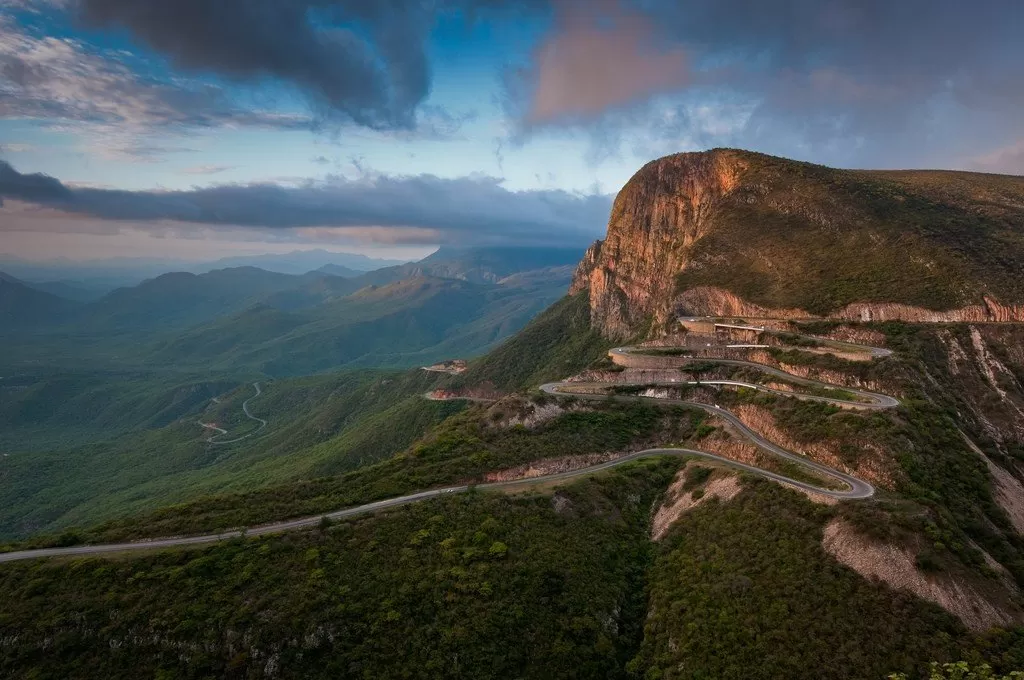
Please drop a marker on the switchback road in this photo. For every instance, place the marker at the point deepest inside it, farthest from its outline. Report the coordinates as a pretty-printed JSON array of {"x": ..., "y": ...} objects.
[
  {"x": 216, "y": 439},
  {"x": 856, "y": 488}
]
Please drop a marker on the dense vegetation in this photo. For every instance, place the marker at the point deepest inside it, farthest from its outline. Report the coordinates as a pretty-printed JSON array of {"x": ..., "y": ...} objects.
[
  {"x": 479, "y": 586},
  {"x": 439, "y": 589},
  {"x": 825, "y": 238},
  {"x": 461, "y": 449},
  {"x": 316, "y": 426},
  {"x": 745, "y": 590}
]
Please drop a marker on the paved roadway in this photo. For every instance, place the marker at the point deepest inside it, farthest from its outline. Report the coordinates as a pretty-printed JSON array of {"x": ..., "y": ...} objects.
[
  {"x": 857, "y": 488},
  {"x": 306, "y": 522},
  {"x": 245, "y": 409},
  {"x": 872, "y": 400}
]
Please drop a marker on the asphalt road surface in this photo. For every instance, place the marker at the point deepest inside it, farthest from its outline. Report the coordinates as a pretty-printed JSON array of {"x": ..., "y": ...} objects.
[{"x": 245, "y": 409}]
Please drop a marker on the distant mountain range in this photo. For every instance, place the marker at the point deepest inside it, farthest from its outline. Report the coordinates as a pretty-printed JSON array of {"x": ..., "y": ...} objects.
[
  {"x": 22, "y": 304},
  {"x": 456, "y": 302},
  {"x": 87, "y": 280}
]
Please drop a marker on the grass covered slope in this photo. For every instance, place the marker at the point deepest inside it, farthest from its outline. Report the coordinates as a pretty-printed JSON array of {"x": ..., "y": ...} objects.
[
  {"x": 806, "y": 236},
  {"x": 558, "y": 343},
  {"x": 316, "y": 426}
]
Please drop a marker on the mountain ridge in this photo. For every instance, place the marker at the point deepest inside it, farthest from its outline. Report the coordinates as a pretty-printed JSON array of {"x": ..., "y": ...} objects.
[{"x": 730, "y": 232}]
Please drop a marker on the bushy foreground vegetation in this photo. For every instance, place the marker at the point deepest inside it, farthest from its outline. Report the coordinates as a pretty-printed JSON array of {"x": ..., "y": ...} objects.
[
  {"x": 461, "y": 449},
  {"x": 559, "y": 584},
  {"x": 745, "y": 590},
  {"x": 478, "y": 586}
]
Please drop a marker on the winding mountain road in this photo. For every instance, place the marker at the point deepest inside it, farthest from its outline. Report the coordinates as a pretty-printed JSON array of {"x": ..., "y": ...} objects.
[
  {"x": 857, "y": 488},
  {"x": 245, "y": 409}
]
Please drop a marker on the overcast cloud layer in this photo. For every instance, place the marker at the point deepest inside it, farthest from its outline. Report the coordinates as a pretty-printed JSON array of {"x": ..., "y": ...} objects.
[{"x": 466, "y": 210}]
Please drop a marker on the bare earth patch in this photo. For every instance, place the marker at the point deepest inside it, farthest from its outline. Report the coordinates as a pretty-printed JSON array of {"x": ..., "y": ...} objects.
[
  {"x": 550, "y": 466},
  {"x": 819, "y": 498},
  {"x": 895, "y": 566},
  {"x": 677, "y": 502},
  {"x": 873, "y": 465},
  {"x": 1009, "y": 491}
]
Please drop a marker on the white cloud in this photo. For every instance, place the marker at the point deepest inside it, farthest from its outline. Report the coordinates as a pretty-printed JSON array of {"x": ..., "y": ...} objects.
[{"x": 207, "y": 169}]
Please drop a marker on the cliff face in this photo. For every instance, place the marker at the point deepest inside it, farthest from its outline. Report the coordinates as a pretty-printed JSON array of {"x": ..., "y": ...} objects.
[
  {"x": 657, "y": 216},
  {"x": 729, "y": 232}
]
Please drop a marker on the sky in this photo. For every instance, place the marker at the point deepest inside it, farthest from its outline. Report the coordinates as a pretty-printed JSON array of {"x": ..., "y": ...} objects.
[{"x": 202, "y": 128}]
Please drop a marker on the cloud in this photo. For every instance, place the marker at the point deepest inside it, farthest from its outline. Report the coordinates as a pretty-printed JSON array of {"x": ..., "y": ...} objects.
[
  {"x": 62, "y": 79},
  {"x": 592, "y": 62},
  {"x": 363, "y": 59},
  {"x": 207, "y": 169},
  {"x": 1008, "y": 159},
  {"x": 34, "y": 188},
  {"x": 841, "y": 81},
  {"x": 461, "y": 210}
]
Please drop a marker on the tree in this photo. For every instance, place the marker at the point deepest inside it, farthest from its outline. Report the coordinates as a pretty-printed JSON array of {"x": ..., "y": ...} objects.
[{"x": 962, "y": 671}]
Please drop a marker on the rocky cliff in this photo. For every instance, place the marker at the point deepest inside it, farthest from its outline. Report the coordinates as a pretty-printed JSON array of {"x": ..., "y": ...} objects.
[{"x": 729, "y": 232}]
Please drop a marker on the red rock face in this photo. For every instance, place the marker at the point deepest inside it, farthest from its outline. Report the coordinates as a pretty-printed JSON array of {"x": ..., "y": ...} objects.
[
  {"x": 660, "y": 212},
  {"x": 705, "y": 301}
]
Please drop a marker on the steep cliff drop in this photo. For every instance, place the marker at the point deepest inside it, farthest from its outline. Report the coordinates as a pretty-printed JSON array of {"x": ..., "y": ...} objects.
[
  {"x": 728, "y": 232},
  {"x": 666, "y": 207}
]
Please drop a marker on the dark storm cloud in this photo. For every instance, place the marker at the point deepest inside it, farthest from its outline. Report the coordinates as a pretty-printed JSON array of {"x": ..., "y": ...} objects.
[
  {"x": 881, "y": 78},
  {"x": 34, "y": 188},
  {"x": 365, "y": 60},
  {"x": 469, "y": 209}
]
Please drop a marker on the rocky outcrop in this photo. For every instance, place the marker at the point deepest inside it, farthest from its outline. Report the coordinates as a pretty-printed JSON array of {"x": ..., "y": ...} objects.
[
  {"x": 706, "y": 301},
  {"x": 661, "y": 211},
  {"x": 678, "y": 502},
  {"x": 675, "y": 202},
  {"x": 549, "y": 466},
  {"x": 872, "y": 463}
]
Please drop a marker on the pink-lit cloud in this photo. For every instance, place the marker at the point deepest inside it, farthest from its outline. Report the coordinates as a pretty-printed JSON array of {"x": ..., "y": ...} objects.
[
  {"x": 1008, "y": 159},
  {"x": 599, "y": 57}
]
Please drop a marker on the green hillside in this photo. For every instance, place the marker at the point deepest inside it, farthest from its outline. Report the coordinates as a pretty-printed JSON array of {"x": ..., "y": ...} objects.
[
  {"x": 438, "y": 589},
  {"x": 252, "y": 321},
  {"x": 110, "y": 451},
  {"x": 180, "y": 298},
  {"x": 816, "y": 238},
  {"x": 407, "y": 323},
  {"x": 22, "y": 305}
]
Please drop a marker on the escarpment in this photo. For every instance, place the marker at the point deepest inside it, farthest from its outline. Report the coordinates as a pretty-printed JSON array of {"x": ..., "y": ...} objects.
[
  {"x": 728, "y": 232},
  {"x": 660, "y": 213}
]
